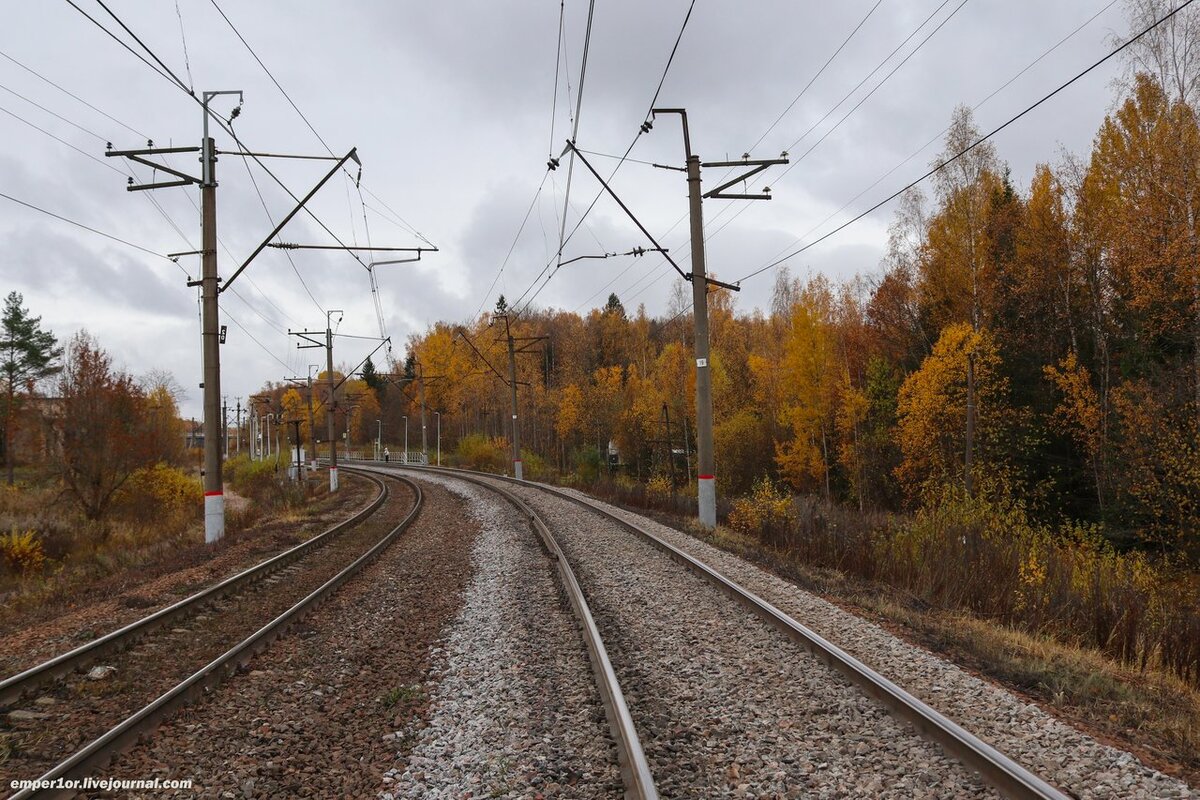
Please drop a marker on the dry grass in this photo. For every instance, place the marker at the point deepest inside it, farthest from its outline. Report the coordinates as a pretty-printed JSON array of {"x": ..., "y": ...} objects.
[{"x": 150, "y": 527}]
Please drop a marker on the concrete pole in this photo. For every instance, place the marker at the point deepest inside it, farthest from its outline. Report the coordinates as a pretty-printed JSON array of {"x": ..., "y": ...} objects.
[
  {"x": 421, "y": 389},
  {"x": 512, "y": 382},
  {"x": 214, "y": 491},
  {"x": 706, "y": 480},
  {"x": 329, "y": 408},
  {"x": 312, "y": 424}
]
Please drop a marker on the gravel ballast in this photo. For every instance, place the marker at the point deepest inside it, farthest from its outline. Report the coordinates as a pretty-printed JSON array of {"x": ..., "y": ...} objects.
[
  {"x": 515, "y": 712},
  {"x": 321, "y": 713},
  {"x": 1021, "y": 730},
  {"x": 724, "y": 705}
]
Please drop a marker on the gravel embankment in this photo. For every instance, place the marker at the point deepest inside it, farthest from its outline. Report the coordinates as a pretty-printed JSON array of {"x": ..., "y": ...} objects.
[
  {"x": 72, "y": 711},
  {"x": 515, "y": 712},
  {"x": 1058, "y": 752},
  {"x": 725, "y": 706},
  {"x": 324, "y": 710}
]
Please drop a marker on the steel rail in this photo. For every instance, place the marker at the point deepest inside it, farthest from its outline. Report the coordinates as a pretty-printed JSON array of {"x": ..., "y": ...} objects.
[
  {"x": 13, "y": 687},
  {"x": 635, "y": 769},
  {"x": 100, "y": 751},
  {"x": 1001, "y": 772}
]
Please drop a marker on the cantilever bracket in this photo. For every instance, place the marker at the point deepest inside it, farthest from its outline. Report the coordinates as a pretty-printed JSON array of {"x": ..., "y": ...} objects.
[{"x": 758, "y": 166}]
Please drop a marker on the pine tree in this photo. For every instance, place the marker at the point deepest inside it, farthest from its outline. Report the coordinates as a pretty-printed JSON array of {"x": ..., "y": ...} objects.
[{"x": 27, "y": 354}]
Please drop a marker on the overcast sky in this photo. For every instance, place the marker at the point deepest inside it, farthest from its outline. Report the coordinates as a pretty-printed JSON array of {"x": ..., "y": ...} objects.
[{"x": 450, "y": 107}]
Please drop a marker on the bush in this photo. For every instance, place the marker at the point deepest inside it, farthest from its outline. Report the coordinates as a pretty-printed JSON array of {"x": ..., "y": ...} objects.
[
  {"x": 535, "y": 466},
  {"x": 984, "y": 555},
  {"x": 22, "y": 552},
  {"x": 482, "y": 453},
  {"x": 587, "y": 465},
  {"x": 257, "y": 480},
  {"x": 765, "y": 513},
  {"x": 160, "y": 494}
]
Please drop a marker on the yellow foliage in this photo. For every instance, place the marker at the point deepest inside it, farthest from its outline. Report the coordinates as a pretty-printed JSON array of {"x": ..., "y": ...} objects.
[
  {"x": 160, "y": 492},
  {"x": 932, "y": 410},
  {"x": 570, "y": 411},
  {"x": 22, "y": 551},
  {"x": 766, "y": 508}
]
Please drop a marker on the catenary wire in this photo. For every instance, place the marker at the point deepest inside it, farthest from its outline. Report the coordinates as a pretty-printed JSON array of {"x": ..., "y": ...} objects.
[{"x": 937, "y": 168}]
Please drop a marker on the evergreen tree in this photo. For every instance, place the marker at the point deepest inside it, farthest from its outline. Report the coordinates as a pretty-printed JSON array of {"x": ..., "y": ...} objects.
[
  {"x": 372, "y": 378},
  {"x": 27, "y": 354}
]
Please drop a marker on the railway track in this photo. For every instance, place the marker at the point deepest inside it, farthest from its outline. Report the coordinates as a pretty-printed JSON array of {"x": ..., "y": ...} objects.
[
  {"x": 669, "y": 742},
  {"x": 78, "y": 725}
]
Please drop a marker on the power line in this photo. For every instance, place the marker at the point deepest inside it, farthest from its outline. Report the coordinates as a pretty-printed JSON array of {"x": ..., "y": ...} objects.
[
  {"x": 37, "y": 74},
  {"x": 942, "y": 132},
  {"x": 187, "y": 63},
  {"x": 974, "y": 144},
  {"x": 149, "y": 52},
  {"x": 85, "y": 227},
  {"x": 124, "y": 44},
  {"x": 562, "y": 6},
  {"x": 305, "y": 119},
  {"x": 827, "y": 114},
  {"x": 513, "y": 246},
  {"x": 816, "y": 75},
  {"x": 662, "y": 79},
  {"x": 130, "y": 172},
  {"x": 587, "y": 44},
  {"x": 271, "y": 219},
  {"x": 223, "y": 124},
  {"x": 644, "y": 128},
  {"x": 270, "y": 75}
]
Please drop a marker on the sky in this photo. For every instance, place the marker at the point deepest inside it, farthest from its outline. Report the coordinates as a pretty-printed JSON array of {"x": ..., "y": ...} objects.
[{"x": 454, "y": 109}]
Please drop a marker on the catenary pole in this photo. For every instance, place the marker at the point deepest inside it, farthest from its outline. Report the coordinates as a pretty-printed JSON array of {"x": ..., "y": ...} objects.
[{"x": 214, "y": 491}]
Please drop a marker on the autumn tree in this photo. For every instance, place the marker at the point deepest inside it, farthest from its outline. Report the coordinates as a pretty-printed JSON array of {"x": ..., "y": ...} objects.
[
  {"x": 931, "y": 404},
  {"x": 27, "y": 354},
  {"x": 106, "y": 430}
]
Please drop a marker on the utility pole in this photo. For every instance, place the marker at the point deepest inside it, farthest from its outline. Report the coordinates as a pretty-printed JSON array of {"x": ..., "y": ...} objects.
[
  {"x": 239, "y": 426},
  {"x": 331, "y": 405},
  {"x": 512, "y": 384},
  {"x": 299, "y": 465},
  {"x": 225, "y": 425},
  {"x": 421, "y": 390},
  {"x": 706, "y": 481},
  {"x": 210, "y": 327}
]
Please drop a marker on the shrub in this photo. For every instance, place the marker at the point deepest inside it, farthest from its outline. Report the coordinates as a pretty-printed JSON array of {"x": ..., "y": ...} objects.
[
  {"x": 159, "y": 494},
  {"x": 482, "y": 453},
  {"x": 659, "y": 488},
  {"x": 22, "y": 552},
  {"x": 258, "y": 480},
  {"x": 766, "y": 512},
  {"x": 587, "y": 465}
]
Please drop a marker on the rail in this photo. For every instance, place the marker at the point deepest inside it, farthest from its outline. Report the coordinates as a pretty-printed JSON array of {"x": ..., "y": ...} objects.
[
  {"x": 1001, "y": 772},
  {"x": 100, "y": 751}
]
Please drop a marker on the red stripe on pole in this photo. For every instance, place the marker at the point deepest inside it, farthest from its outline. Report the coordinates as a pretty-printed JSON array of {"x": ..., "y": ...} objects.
[
  {"x": 213, "y": 494},
  {"x": 516, "y": 461},
  {"x": 707, "y": 477}
]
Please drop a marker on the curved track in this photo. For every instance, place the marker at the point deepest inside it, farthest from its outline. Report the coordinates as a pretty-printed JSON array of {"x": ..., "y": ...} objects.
[
  {"x": 635, "y": 770},
  {"x": 314, "y": 559},
  {"x": 996, "y": 769}
]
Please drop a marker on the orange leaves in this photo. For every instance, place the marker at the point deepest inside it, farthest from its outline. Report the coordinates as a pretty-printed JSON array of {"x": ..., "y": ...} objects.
[{"x": 1079, "y": 413}]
